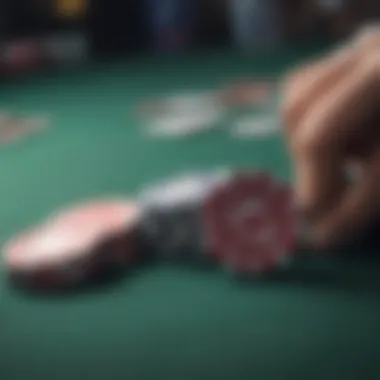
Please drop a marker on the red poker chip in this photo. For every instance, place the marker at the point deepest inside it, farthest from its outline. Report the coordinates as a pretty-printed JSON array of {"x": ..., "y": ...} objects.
[
  {"x": 251, "y": 223},
  {"x": 75, "y": 245}
]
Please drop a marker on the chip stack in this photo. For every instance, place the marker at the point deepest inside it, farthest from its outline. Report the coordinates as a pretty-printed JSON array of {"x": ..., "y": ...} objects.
[
  {"x": 243, "y": 221},
  {"x": 76, "y": 245},
  {"x": 171, "y": 224}
]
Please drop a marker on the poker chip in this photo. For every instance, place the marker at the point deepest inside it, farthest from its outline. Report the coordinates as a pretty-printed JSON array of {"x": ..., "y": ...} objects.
[
  {"x": 251, "y": 223},
  {"x": 182, "y": 115},
  {"x": 183, "y": 189},
  {"x": 75, "y": 245},
  {"x": 247, "y": 94},
  {"x": 171, "y": 217},
  {"x": 178, "y": 104},
  {"x": 255, "y": 126},
  {"x": 192, "y": 101},
  {"x": 183, "y": 125}
]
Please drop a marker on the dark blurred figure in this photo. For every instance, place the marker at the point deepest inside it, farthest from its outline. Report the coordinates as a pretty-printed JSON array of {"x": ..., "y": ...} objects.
[
  {"x": 39, "y": 17},
  {"x": 122, "y": 26},
  {"x": 113, "y": 26},
  {"x": 118, "y": 26},
  {"x": 213, "y": 23},
  {"x": 326, "y": 19},
  {"x": 302, "y": 20},
  {"x": 172, "y": 24}
]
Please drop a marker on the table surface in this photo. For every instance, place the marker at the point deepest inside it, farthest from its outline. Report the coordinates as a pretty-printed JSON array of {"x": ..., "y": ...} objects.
[{"x": 321, "y": 320}]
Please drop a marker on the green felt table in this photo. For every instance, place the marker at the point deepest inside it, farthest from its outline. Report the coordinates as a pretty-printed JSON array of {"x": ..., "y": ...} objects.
[{"x": 321, "y": 319}]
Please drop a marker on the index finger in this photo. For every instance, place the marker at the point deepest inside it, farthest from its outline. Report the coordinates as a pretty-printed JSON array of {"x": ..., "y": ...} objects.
[{"x": 306, "y": 85}]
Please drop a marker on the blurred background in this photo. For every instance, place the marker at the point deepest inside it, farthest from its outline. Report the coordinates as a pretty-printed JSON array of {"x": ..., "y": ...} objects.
[
  {"x": 36, "y": 34},
  {"x": 85, "y": 73}
]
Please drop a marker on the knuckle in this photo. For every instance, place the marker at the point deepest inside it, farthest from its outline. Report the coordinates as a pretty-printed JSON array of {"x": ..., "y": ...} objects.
[
  {"x": 293, "y": 87},
  {"x": 370, "y": 62},
  {"x": 308, "y": 143},
  {"x": 295, "y": 79}
]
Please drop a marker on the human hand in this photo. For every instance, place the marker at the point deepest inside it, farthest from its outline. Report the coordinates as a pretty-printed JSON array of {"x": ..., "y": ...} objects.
[{"x": 331, "y": 111}]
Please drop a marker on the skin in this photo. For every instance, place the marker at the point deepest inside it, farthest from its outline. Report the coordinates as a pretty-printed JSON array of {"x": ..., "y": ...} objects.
[{"x": 331, "y": 107}]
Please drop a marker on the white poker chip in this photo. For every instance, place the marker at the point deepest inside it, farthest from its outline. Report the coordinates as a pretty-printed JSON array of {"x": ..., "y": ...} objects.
[
  {"x": 179, "y": 104},
  {"x": 256, "y": 126},
  {"x": 171, "y": 214},
  {"x": 184, "y": 115},
  {"x": 191, "y": 102},
  {"x": 183, "y": 190},
  {"x": 176, "y": 125}
]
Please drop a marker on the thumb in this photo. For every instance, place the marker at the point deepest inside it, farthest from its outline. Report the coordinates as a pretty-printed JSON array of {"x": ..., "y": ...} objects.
[{"x": 358, "y": 207}]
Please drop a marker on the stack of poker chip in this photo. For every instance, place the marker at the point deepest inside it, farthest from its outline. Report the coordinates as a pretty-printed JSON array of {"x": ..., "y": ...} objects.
[
  {"x": 243, "y": 221},
  {"x": 172, "y": 224},
  {"x": 74, "y": 245}
]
